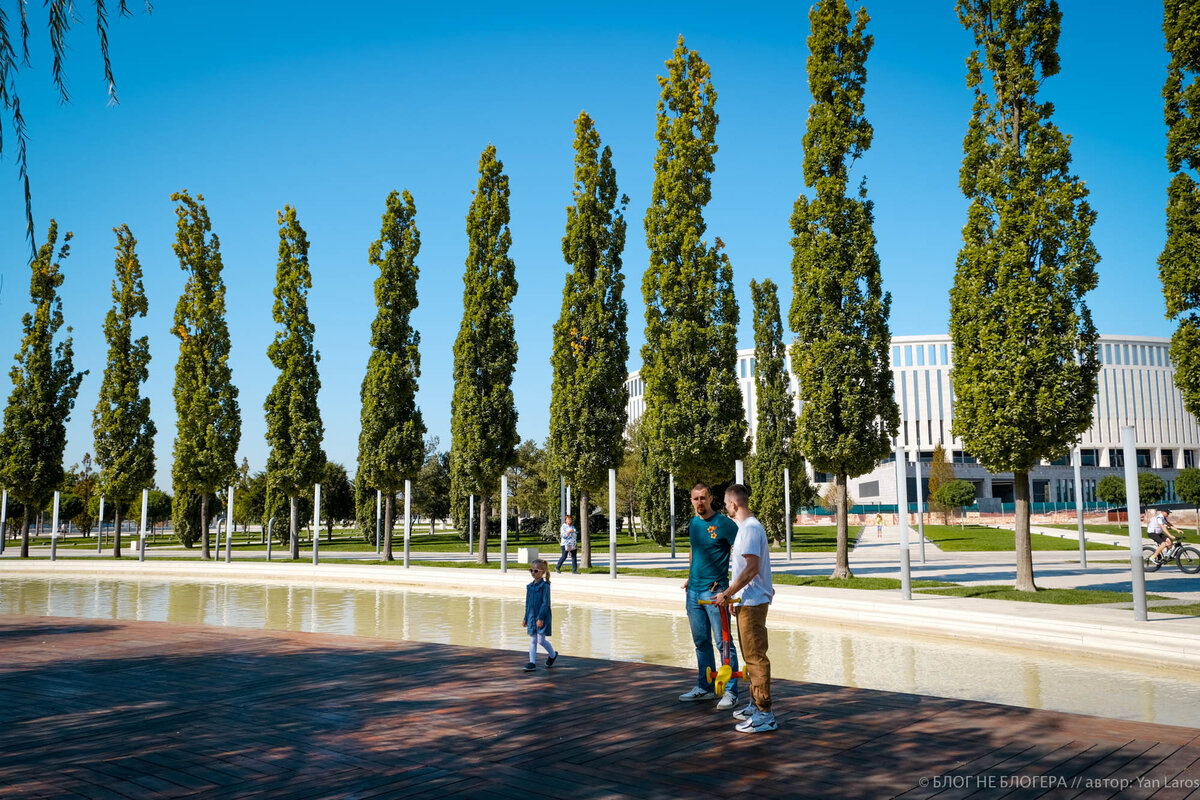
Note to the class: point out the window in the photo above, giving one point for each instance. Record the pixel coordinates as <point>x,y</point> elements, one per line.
<point>945,357</point>
<point>1168,459</point>
<point>742,368</point>
<point>1144,459</point>
<point>1108,354</point>
<point>821,477</point>
<point>1116,457</point>
<point>895,356</point>
<point>1089,490</point>
<point>1041,491</point>
<point>963,457</point>
<point>1089,458</point>
<point>932,354</point>
<point>1127,362</point>
<point>1160,355</point>
<point>1189,458</point>
<point>908,355</point>
<point>920,356</point>
<point>925,458</point>
<point>1062,461</point>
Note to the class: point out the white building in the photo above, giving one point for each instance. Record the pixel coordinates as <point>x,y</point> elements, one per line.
<point>1136,386</point>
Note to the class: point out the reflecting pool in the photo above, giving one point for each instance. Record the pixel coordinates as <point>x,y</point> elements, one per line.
<point>871,659</point>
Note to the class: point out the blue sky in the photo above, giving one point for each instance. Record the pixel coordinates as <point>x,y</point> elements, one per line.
<point>328,108</point>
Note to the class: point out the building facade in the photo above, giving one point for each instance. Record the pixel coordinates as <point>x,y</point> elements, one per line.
<point>1136,386</point>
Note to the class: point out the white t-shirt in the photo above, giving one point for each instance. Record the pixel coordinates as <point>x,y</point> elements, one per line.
<point>1155,524</point>
<point>569,536</point>
<point>752,540</point>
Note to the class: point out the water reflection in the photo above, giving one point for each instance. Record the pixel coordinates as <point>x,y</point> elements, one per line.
<point>842,657</point>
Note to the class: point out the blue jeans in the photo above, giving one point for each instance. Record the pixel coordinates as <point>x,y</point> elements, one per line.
<point>705,622</point>
<point>563,557</point>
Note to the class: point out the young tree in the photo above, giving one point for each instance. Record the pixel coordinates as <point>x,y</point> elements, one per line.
<point>249,500</point>
<point>588,396</point>
<point>1025,356</point>
<point>83,485</point>
<point>848,413</point>
<point>121,424</point>
<point>1151,489</point>
<point>1179,264</point>
<point>209,422</point>
<point>390,445</point>
<point>627,477</point>
<point>955,494</point>
<point>294,429</point>
<point>337,496</point>
<point>941,472</point>
<point>694,426</point>
<point>483,416</point>
<point>776,416</point>
<point>45,386</point>
<point>1187,486</point>
<point>431,494</point>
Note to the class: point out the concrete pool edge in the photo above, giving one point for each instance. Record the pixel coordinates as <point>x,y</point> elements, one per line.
<point>1165,641</point>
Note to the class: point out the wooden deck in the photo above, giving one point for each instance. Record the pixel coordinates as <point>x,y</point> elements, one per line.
<point>103,709</point>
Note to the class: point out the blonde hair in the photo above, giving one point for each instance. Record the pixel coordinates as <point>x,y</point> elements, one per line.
<point>545,568</point>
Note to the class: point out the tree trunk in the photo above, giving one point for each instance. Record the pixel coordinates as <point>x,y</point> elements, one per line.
<point>293,526</point>
<point>328,528</point>
<point>1024,550</point>
<point>482,556</point>
<point>632,528</point>
<point>585,538</point>
<point>431,526</point>
<point>388,510</point>
<point>117,529</point>
<point>842,568</point>
<point>25,534</point>
<point>204,553</point>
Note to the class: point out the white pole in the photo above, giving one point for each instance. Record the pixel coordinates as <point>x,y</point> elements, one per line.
<point>612,522</point>
<point>378,519</point>
<point>54,530</point>
<point>504,523</point>
<point>471,528</point>
<point>902,507</point>
<point>737,472</point>
<point>99,532</point>
<point>787,511</point>
<point>4,519</point>
<point>1133,510</point>
<point>920,511</point>
<point>562,497</point>
<point>316,534</point>
<point>229,527</point>
<point>1079,509</point>
<point>407,517</point>
<point>671,492</point>
<point>142,530</point>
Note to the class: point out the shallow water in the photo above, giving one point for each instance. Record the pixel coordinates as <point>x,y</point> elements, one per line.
<point>848,657</point>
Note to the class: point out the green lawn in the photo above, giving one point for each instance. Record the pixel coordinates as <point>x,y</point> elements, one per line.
<point>1065,597</point>
<point>1117,530</point>
<point>1190,609</point>
<point>983,537</point>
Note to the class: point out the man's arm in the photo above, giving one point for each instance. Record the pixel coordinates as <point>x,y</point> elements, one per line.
<point>740,581</point>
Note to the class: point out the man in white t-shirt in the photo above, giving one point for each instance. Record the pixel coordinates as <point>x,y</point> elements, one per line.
<point>751,560</point>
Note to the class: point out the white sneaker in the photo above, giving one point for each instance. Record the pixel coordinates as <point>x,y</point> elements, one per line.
<point>727,701</point>
<point>761,722</point>
<point>746,713</point>
<point>697,693</point>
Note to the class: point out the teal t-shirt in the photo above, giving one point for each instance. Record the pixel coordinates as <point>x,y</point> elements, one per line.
<point>711,541</point>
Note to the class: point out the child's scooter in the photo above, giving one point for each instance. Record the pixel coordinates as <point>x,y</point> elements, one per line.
<point>725,673</point>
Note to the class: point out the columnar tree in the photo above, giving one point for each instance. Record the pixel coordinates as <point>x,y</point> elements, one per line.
<point>1025,356</point>
<point>121,423</point>
<point>694,425</point>
<point>941,472</point>
<point>209,422</point>
<point>45,386</point>
<point>294,429</point>
<point>390,445</point>
<point>337,496</point>
<point>775,413</point>
<point>839,311</point>
<point>588,396</point>
<point>1179,264</point>
<point>483,416</point>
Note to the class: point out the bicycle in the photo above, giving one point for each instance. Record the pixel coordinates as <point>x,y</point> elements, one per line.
<point>1186,557</point>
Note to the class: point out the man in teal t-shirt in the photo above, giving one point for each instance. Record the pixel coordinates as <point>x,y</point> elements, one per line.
<point>711,536</point>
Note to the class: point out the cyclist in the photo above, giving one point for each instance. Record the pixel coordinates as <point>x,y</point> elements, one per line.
<point>1158,529</point>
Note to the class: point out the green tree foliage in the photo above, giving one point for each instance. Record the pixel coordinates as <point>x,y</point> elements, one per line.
<point>294,429</point>
<point>694,426</point>
<point>250,500</point>
<point>159,510</point>
<point>483,416</point>
<point>627,477</point>
<point>1151,489</point>
<point>337,496</point>
<point>84,485</point>
<point>60,16</point>
<point>209,423</point>
<point>533,481</point>
<point>390,444</point>
<point>776,416</point>
<point>1187,486</point>
<point>45,386</point>
<point>588,396</point>
<point>1025,356</point>
<point>121,424</point>
<point>941,472</point>
<point>1179,264</point>
<point>955,494</point>
<point>431,492</point>
<point>185,516</point>
<point>848,413</point>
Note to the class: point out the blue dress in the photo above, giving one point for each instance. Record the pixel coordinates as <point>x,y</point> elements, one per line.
<point>537,606</point>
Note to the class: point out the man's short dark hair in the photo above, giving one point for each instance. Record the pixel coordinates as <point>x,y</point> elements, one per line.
<point>703,486</point>
<point>739,493</point>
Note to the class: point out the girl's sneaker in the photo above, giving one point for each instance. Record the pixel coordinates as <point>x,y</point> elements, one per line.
<point>530,667</point>
<point>761,722</point>
<point>550,661</point>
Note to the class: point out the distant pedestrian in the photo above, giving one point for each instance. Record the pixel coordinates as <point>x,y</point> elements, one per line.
<point>752,585</point>
<point>568,539</point>
<point>537,614</point>
<point>879,526</point>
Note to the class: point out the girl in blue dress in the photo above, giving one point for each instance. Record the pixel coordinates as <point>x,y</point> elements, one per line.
<point>537,614</point>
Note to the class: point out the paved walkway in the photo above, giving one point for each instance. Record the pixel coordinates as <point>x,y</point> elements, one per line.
<point>103,709</point>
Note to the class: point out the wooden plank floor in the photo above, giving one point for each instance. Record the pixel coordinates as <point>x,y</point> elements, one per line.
<point>103,709</point>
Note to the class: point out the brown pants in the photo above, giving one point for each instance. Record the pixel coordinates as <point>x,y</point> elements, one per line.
<point>752,637</point>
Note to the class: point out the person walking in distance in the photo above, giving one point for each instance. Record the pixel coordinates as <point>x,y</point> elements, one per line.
<point>752,585</point>
<point>537,614</point>
<point>711,537</point>
<point>568,539</point>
